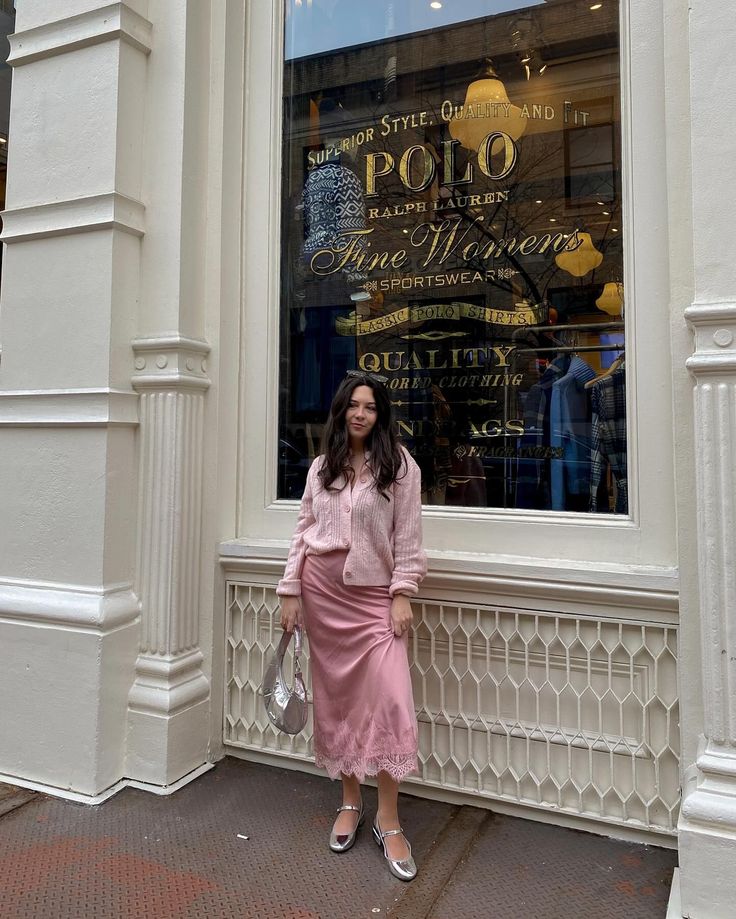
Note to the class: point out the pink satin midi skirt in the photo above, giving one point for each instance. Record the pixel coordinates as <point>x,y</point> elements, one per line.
<point>364,718</point>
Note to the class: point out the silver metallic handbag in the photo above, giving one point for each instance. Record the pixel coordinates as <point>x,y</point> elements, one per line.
<point>286,706</point>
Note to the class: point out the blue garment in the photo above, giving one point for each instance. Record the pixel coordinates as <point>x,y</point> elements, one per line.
<point>569,424</point>
<point>532,482</point>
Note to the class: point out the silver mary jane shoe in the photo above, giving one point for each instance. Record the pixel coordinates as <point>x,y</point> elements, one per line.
<point>341,842</point>
<point>405,869</point>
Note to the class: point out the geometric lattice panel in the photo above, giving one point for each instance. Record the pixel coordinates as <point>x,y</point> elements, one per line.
<point>573,714</point>
<point>252,633</point>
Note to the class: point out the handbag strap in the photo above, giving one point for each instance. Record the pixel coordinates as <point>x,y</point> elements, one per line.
<point>284,645</point>
<point>297,650</point>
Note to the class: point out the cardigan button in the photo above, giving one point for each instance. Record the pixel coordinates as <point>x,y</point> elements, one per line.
<point>346,542</point>
<point>347,509</point>
<point>348,574</point>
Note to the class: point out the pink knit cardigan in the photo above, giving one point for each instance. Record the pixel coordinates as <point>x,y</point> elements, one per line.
<point>383,538</point>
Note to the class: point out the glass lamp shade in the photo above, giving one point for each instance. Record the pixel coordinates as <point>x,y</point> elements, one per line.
<point>487,103</point>
<point>583,260</point>
<point>611,301</point>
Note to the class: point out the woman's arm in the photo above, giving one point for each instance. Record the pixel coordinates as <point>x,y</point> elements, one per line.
<point>410,561</point>
<point>290,584</point>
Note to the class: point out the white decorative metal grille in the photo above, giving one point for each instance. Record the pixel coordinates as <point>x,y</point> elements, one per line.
<point>564,712</point>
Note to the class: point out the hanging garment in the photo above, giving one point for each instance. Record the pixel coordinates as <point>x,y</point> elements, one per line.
<point>532,482</point>
<point>333,204</point>
<point>608,448</point>
<point>307,396</point>
<point>570,423</point>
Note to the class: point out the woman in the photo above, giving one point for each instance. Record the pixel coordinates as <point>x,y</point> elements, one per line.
<point>355,559</point>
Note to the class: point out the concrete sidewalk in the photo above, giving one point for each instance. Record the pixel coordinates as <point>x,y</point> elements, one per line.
<point>247,841</point>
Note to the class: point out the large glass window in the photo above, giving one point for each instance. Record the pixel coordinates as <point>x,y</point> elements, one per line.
<point>452,220</point>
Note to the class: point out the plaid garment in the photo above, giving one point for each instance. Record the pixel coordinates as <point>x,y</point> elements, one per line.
<point>532,480</point>
<point>608,401</point>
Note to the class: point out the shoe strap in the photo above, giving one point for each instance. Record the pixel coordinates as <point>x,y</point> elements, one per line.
<point>391,833</point>
<point>349,807</point>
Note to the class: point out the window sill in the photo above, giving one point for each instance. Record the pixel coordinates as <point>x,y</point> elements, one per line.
<point>603,589</point>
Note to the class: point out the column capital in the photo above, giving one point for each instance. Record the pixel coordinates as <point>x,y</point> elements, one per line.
<point>714,327</point>
<point>170,361</point>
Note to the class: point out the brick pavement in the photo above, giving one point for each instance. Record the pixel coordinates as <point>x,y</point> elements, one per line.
<point>140,856</point>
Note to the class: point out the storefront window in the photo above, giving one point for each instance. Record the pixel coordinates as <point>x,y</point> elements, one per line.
<point>452,220</point>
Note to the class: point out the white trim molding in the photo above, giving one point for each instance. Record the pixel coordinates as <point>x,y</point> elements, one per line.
<point>66,795</point>
<point>98,610</point>
<point>169,700</point>
<point>111,211</point>
<point>114,21</point>
<point>68,407</point>
<point>174,680</point>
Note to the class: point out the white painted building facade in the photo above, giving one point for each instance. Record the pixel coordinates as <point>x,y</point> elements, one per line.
<point>141,537</point>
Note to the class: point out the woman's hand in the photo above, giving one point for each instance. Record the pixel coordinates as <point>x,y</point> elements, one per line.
<point>291,613</point>
<point>401,614</point>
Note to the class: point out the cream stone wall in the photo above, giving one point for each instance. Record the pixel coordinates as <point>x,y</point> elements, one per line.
<point>103,394</point>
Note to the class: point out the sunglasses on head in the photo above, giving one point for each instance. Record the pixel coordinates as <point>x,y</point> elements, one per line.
<point>365,374</point>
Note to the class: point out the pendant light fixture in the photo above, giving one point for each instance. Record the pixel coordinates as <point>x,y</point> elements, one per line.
<point>611,301</point>
<point>583,260</point>
<point>486,109</point>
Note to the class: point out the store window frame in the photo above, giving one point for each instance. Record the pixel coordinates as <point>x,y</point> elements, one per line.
<point>644,537</point>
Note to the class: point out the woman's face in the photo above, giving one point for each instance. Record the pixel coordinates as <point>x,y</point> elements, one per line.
<point>360,418</point>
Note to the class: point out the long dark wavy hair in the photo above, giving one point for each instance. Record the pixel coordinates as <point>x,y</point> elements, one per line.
<point>386,459</point>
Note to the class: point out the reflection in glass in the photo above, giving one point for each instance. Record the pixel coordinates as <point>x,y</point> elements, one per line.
<point>452,220</point>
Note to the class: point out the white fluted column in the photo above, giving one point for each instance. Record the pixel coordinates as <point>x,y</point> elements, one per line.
<point>707,829</point>
<point>168,704</point>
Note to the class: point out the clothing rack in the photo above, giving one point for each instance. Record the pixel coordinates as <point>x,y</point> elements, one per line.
<point>574,326</point>
<point>571,348</point>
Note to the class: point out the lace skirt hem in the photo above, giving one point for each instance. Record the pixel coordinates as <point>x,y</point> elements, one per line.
<point>398,766</point>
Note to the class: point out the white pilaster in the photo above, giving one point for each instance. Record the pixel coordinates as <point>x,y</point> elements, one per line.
<point>168,704</point>
<point>168,708</point>
<point>707,829</point>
